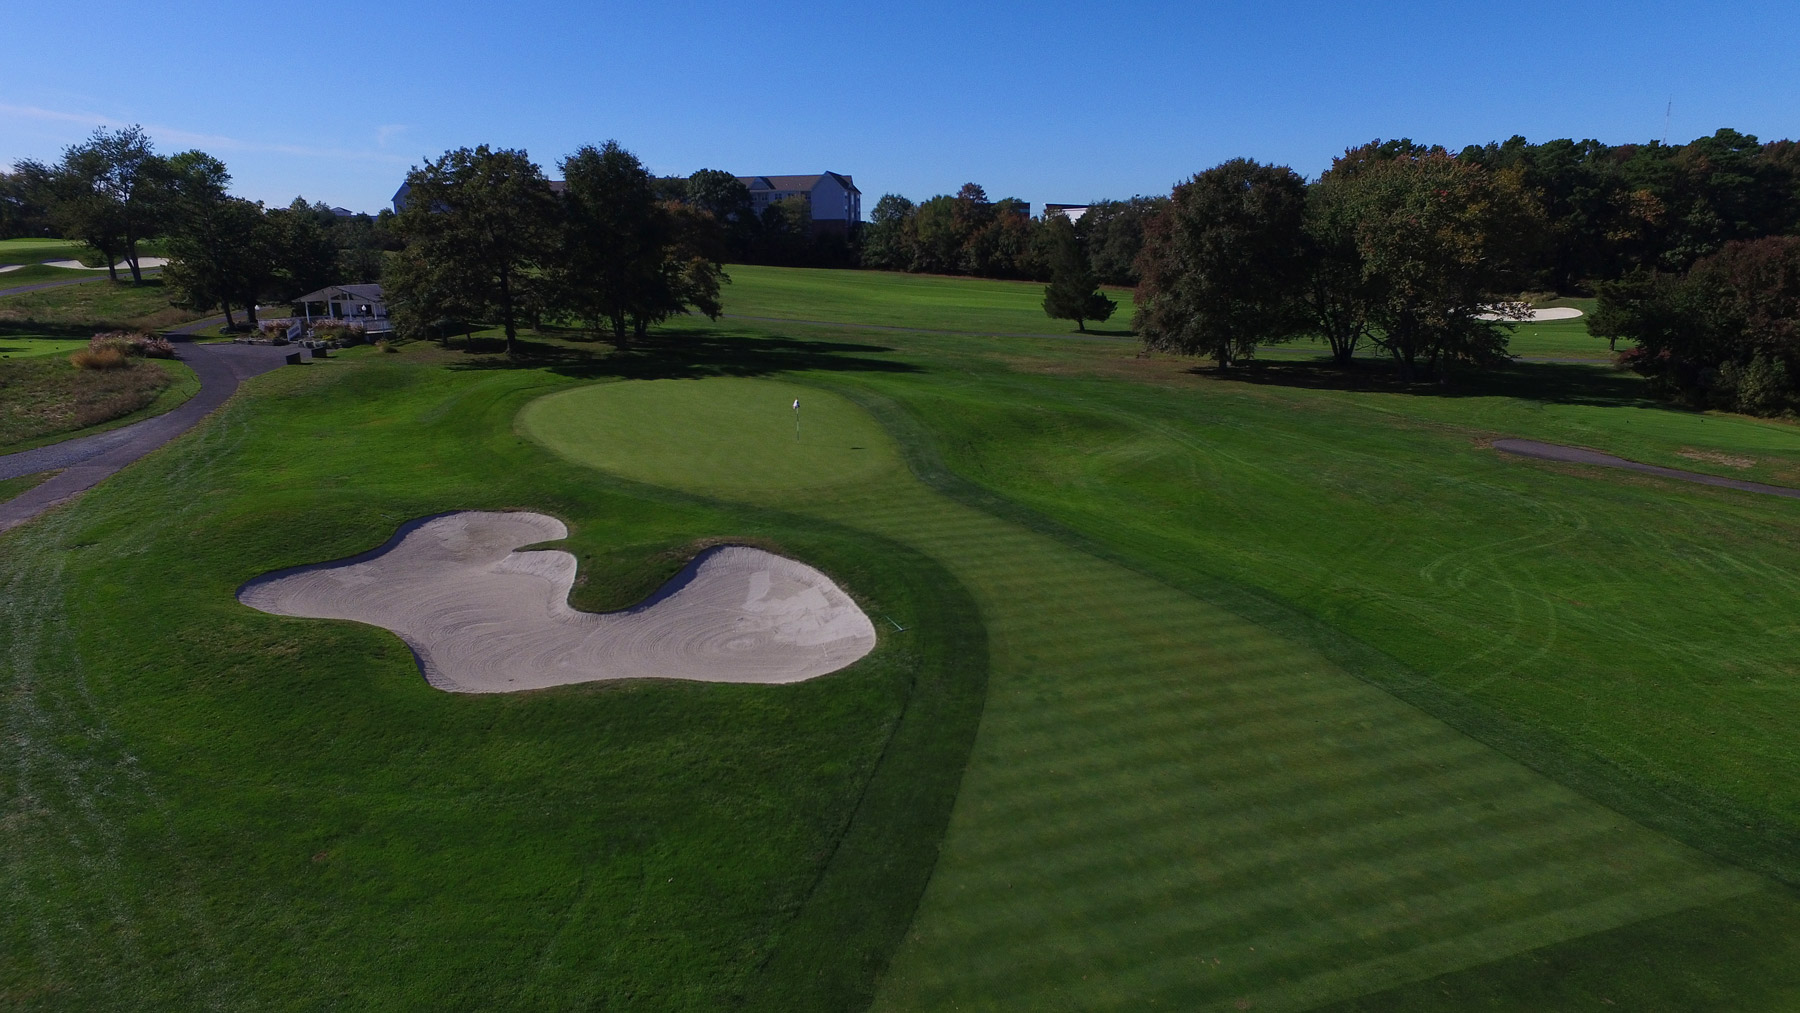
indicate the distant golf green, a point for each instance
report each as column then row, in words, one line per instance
column 738, row 438
column 36, row 251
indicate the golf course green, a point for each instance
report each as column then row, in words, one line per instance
column 1277, row 689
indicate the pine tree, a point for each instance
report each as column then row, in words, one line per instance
column 1073, row 292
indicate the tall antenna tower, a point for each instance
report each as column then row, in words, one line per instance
column 1668, row 112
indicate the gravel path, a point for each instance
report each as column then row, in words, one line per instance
column 1576, row 455
column 87, row 460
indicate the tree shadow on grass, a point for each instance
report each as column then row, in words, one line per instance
column 682, row 353
column 15, row 329
column 1545, row 382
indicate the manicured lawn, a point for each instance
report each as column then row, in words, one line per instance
column 207, row 806
column 895, row 299
column 1296, row 693
column 22, row 346
column 1168, row 802
column 36, row 251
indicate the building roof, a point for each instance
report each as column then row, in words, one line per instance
column 339, row 293
column 795, row 182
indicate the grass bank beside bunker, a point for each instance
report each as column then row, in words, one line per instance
column 286, row 811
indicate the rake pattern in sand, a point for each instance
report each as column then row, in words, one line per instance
column 482, row 618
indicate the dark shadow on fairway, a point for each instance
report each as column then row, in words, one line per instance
column 27, row 328
column 1546, row 382
column 678, row 354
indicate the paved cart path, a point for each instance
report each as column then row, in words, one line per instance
column 1576, row 455
column 85, row 461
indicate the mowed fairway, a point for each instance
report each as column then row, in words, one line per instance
column 1167, row 803
column 889, row 299
column 1292, row 693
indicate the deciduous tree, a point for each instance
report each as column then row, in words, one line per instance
column 610, row 257
column 1439, row 242
column 1224, row 266
column 479, row 223
column 108, row 193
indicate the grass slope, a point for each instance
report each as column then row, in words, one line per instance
column 77, row 311
column 209, row 807
column 43, row 399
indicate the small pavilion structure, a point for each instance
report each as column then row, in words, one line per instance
column 351, row 303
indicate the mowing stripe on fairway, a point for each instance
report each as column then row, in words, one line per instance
column 1165, row 801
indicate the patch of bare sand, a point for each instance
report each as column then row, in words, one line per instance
column 482, row 618
column 1715, row 457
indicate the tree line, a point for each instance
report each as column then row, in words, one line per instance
column 114, row 192
column 1402, row 246
column 1607, row 210
column 1422, row 254
column 487, row 238
column 1725, row 334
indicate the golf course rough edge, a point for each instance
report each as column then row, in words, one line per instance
column 482, row 618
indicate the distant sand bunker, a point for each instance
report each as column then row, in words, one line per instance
column 1539, row 316
column 484, row 619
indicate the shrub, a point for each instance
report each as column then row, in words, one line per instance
column 107, row 357
column 338, row 330
column 1759, row 388
column 386, row 346
column 135, row 344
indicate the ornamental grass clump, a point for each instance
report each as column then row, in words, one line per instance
column 109, row 357
column 133, row 344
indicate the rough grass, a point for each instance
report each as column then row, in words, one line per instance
column 11, row 487
column 42, row 399
column 102, row 305
column 100, row 359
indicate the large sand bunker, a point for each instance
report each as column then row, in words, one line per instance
column 484, row 619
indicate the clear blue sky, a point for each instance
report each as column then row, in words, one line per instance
column 1053, row 101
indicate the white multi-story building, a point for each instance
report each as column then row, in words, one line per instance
column 833, row 197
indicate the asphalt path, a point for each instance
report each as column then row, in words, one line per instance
column 86, row 461
column 1576, row 455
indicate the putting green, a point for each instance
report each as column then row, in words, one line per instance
column 1166, row 802
column 727, row 437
